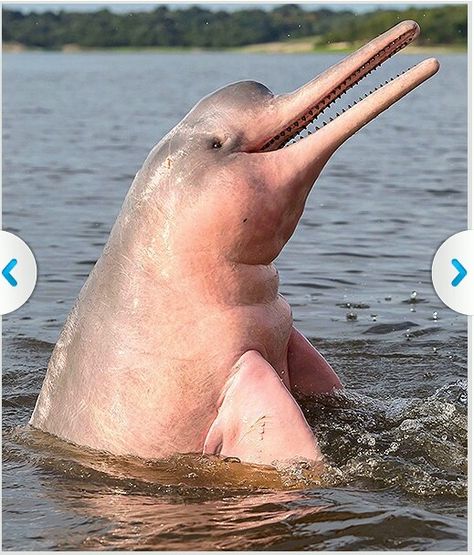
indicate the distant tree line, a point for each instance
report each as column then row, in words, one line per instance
column 440, row 25
column 198, row 27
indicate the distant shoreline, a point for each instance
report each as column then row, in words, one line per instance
column 307, row 45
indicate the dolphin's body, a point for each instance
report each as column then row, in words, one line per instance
column 179, row 340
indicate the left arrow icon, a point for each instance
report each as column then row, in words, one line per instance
column 6, row 272
column 18, row 272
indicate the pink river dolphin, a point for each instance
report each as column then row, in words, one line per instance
column 179, row 341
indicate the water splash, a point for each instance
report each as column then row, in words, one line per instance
column 417, row 445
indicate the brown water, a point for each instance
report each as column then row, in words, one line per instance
column 76, row 129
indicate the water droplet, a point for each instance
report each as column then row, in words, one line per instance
column 393, row 447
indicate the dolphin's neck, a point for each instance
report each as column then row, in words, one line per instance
column 145, row 266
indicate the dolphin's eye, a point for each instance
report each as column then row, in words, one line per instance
column 216, row 143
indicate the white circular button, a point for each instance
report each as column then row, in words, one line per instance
column 17, row 272
column 453, row 272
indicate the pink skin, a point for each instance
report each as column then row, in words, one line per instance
column 179, row 340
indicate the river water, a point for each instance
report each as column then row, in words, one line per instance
column 76, row 129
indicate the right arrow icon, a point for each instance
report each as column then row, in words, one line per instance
column 453, row 280
column 462, row 272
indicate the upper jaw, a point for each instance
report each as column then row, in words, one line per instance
column 291, row 113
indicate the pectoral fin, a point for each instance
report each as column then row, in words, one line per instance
column 258, row 420
column 309, row 372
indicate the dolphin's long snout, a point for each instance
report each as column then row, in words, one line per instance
column 296, row 110
column 303, row 161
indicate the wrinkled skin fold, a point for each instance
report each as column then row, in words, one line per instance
column 179, row 340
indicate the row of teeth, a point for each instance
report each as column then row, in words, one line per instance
column 299, row 135
column 335, row 94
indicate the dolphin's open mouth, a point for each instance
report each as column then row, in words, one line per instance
column 301, row 108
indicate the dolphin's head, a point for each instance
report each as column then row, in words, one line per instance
column 236, row 192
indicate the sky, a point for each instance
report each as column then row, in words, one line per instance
column 126, row 7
